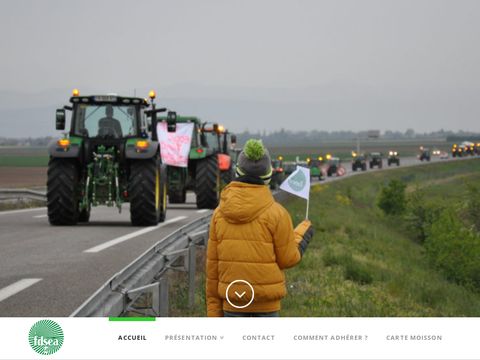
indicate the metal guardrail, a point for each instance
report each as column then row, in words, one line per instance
column 148, row 274
column 12, row 194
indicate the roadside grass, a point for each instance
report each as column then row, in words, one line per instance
column 361, row 263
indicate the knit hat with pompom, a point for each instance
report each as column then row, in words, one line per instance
column 254, row 161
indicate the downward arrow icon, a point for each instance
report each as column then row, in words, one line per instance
column 240, row 295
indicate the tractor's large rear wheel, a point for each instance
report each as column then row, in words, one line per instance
column 207, row 183
column 147, row 191
column 227, row 176
column 62, row 192
column 162, row 192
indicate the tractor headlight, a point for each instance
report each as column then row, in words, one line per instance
column 64, row 143
column 142, row 145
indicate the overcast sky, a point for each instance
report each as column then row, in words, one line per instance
column 332, row 65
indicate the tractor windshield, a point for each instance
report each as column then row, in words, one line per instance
column 213, row 140
column 105, row 120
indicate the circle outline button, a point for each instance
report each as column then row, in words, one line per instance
column 243, row 282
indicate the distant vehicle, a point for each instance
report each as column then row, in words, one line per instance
column 469, row 148
column 278, row 173
column 376, row 160
column 443, row 155
column 302, row 164
column 436, row 152
column 464, row 149
column 457, row 151
column 359, row 162
column 334, row 167
column 393, row 158
column 315, row 166
column 424, row 154
column 289, row 167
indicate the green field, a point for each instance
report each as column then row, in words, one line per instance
column 364, row 263
column 23, row 161
column 23, row 156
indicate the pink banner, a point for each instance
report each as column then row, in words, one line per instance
column 175, row 146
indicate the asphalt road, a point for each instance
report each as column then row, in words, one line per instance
column 50, row 271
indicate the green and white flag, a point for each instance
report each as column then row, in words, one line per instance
column 298, row 183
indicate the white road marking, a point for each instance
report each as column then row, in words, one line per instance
column 21, row 211
column 123, row 238
column 16, row 287
column 202, row 211
column 40, row 216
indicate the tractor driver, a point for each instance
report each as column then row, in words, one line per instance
column 109, row 126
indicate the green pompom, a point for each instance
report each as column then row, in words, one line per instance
column 254, row 149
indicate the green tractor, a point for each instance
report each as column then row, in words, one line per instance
column 315, row 166
column 393, row 158
column 359, row 161
column 424, row 154
column 110, row 156
column 210, row 165
column 289, row 167
column 376, row 160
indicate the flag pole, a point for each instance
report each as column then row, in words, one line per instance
column 308, row 205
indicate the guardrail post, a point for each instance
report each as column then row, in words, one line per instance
column 156, row 299
column 163, row 287
column 192, row 262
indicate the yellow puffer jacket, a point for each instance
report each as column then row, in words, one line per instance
column 252, row 239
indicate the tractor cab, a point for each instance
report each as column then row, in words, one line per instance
column 217, row 137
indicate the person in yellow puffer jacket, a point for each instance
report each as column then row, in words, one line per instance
column 251, row 239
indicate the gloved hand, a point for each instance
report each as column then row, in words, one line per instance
column 303, row 234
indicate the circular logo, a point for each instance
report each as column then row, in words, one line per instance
column 45, row 337
column 298, row 181
column 240, row 295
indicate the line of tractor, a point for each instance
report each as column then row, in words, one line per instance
column 119, row 150
column 111, row 155
column 322, row 167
